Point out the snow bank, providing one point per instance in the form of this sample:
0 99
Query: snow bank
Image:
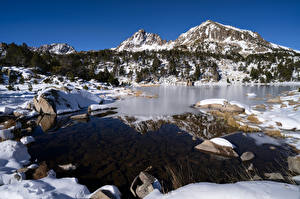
45 188
13 155
244 190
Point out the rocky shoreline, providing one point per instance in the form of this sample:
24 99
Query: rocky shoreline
221 118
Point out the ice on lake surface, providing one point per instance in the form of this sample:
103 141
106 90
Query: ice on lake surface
178 99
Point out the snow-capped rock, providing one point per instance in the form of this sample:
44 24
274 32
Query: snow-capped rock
57 101
55 48
142 40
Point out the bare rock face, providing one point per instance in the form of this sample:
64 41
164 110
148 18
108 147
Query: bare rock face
210 147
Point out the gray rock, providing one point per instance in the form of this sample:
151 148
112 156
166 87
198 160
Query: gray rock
227 107
256 177
149 184
274 176
246 156
42 105
210 147
294 164
99 195
296 179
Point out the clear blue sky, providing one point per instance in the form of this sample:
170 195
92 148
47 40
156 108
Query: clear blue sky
94 25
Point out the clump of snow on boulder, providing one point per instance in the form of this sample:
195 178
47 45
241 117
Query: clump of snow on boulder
222 142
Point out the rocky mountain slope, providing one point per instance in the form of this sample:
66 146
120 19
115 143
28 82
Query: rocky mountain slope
210 37
55 48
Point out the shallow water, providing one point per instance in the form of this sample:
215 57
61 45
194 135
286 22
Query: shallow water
106 151
178 99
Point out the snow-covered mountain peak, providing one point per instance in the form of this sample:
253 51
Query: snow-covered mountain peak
142 40
209 36
56 48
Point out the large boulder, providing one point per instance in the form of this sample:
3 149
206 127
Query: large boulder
56 101
211 147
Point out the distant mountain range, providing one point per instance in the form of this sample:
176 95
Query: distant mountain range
210 52
210 36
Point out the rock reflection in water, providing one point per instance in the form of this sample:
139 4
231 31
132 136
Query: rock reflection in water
106 151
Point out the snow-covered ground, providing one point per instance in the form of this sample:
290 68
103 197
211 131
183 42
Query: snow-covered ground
281 114
244 190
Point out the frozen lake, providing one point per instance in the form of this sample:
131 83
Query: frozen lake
178 99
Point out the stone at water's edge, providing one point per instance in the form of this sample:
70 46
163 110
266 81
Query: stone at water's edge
99 195
227 107
294 164
46 121
210 147
80 116
43 106
246 156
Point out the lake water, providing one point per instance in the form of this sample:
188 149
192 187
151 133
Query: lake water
107 151
178 99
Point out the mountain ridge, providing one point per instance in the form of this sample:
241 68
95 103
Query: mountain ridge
209 36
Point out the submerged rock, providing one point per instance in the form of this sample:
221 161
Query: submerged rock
80 116
210 147
67 167
246 156
274 176
46 121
